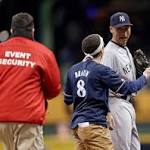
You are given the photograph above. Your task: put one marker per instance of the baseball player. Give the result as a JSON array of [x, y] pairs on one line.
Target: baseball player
[[86, 87], [118, 57], [29, 75]]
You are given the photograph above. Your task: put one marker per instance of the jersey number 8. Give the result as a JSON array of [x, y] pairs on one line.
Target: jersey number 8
[[81, 92]]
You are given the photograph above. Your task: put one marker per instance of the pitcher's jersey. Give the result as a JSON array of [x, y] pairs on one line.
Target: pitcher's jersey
[[120, 60], [87, 85]]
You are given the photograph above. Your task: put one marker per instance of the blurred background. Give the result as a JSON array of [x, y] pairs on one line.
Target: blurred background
[[61, 25]]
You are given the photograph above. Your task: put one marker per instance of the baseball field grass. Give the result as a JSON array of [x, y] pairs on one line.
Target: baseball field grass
[[53, 143]]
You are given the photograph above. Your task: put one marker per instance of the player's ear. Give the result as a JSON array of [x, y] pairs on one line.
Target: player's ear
[[111, 29]]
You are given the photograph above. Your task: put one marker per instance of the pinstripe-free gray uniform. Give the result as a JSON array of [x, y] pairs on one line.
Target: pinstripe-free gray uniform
[[125, 135]]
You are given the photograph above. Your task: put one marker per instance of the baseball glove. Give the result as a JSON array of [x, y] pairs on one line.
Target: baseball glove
[[140, 61]]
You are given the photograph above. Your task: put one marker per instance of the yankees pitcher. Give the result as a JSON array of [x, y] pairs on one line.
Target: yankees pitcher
[[118, 57]]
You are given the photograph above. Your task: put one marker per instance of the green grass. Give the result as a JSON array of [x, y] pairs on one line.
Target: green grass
[[55, 143]]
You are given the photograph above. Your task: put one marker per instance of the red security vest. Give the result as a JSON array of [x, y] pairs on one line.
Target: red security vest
[[29, 75]]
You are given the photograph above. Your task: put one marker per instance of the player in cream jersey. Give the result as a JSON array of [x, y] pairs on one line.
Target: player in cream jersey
[[118, 57]]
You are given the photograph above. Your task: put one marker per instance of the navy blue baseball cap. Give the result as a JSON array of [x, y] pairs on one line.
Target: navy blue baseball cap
[[120, 19]]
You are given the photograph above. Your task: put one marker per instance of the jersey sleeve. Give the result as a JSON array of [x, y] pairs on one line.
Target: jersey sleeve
[[51, 78], [118, 84], [133, 86], [68, 97]]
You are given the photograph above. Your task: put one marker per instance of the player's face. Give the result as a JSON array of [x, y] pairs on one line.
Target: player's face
[[121, 35]]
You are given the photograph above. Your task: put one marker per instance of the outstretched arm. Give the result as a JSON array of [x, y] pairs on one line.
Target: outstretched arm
[[119, 85]]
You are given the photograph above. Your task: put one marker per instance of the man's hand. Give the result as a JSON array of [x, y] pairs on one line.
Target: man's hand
[[146, 73], [110, 121]]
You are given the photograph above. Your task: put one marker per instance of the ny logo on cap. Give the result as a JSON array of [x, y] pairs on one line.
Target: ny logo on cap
[[122, 18]]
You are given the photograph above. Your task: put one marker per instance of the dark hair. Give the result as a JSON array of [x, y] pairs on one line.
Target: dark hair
[[22, 25], [90, 43]]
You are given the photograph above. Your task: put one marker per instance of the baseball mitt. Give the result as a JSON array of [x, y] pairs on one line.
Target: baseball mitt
[[140, 61]]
